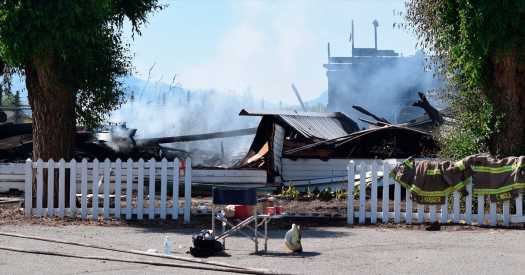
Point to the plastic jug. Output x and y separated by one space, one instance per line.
167 246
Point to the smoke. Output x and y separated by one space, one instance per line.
165 110
271 45
386 86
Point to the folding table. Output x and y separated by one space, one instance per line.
240 196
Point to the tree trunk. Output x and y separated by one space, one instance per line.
53 113
508 94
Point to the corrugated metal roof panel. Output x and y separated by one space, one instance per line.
312 125
316 127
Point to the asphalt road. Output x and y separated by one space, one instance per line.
328 250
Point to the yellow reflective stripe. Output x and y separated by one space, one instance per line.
433 172
408 163
445 192
503 189
418 191
493 170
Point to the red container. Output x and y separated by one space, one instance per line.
243 211
277 210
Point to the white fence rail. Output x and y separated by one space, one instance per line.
12 176
407 211
108 189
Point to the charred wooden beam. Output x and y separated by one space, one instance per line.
432 112
376 123
186 138
298 97
366 112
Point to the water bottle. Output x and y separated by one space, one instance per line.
167 246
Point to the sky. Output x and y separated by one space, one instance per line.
260 46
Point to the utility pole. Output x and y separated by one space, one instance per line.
376 24
352 37
329 54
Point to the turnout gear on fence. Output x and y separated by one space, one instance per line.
292 239
501 179
431 181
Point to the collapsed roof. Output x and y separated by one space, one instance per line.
388 141
293 135
279 131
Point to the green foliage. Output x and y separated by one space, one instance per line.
326 194
473 125
80 40
464 37
340 194
290 193
310 194
464 34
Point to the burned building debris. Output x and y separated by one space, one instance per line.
388 141
281 131
112 142
300 135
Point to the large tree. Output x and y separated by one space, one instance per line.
480 45
72 55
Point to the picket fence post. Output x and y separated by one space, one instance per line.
350 193
28 188
151 186
39 187
163 188
83 188
140 191
129 187
107 167
72 187
118 188
468 202
420 213
432 209
519 206
94 191
397 199
455 207
61 187
187 191
493 214
444 211
408 207
176 181
481 209
362 192
506 213
373 201
50 187
385 208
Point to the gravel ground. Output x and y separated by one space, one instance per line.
328 250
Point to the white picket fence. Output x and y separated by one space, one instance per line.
120 181
418 213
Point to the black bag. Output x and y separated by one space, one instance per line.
204 245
